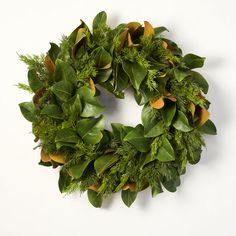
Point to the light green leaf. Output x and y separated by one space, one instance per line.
128 197
33 80
77 170
180 75
67 135
166 151
94 198
168 112
104 162
209 128
28 111
137 139
181 122
146 158
63 90
90 129
200 80
72 107
53 111
193 61
135 72
100 20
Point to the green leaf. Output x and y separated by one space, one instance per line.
63 90
104 162
100 20
53 111
121 79
72 107
137 139
135 72
33 80
128 197
91 106
102 57
209 128
193 61
118 131
90 129
77 170
180 75
67 135
168 112
200 80
64 181
65 72
54 51
94 198
171 185
181 122
156 189
152 126
28 111
103 76
166 151
146 158
160 29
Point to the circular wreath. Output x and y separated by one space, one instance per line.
67 118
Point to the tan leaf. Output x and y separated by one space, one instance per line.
158 103
58 158
106 66
92 86
78 36
94 187
130 186
148 29
49 64
173 99
133 26
44 156
164 44
130 43
203 116
192 108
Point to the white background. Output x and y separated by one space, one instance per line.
30 202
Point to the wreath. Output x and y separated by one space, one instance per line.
67 119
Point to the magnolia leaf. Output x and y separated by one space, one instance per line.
135 72
168 112
148 29
155 131
67 135
53 111
102 58
104 162
208 128
76 171
91 106
118 131
100 20
128 197
146 158
203 116
133 26
54 51
103 76
193 61
158 103
49 64
59 158
28 111
121 79
156 189
90 129
171 185
63 90
180 75
194 156
72 107
200 80
137 139
166 151
160 29
94 198
64 181
181 122
34 83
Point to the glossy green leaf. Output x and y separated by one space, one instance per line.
128 197
100 20
193 61
33 80
121 79
67 135
91 106
94 198
90 129
104 162
54 51
160 29
63 90
137 139
28 111
146 158
200 80
135 72
208 128
180 75
171 185
73 106
103 75
64 181
118 131
77 170
168 112
181 122
166 151
156 189
53 111
102 57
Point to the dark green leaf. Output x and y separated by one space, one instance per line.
128 197
166 151
33 80
168 112
94 198
171 185
104 162
53 111
77 170
102 57
193 61
200 80
160 29
180 75
28 111
67 135
54 51
100 20
208 128
63 90
135 72
181 122
64 181
103 76
121 79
